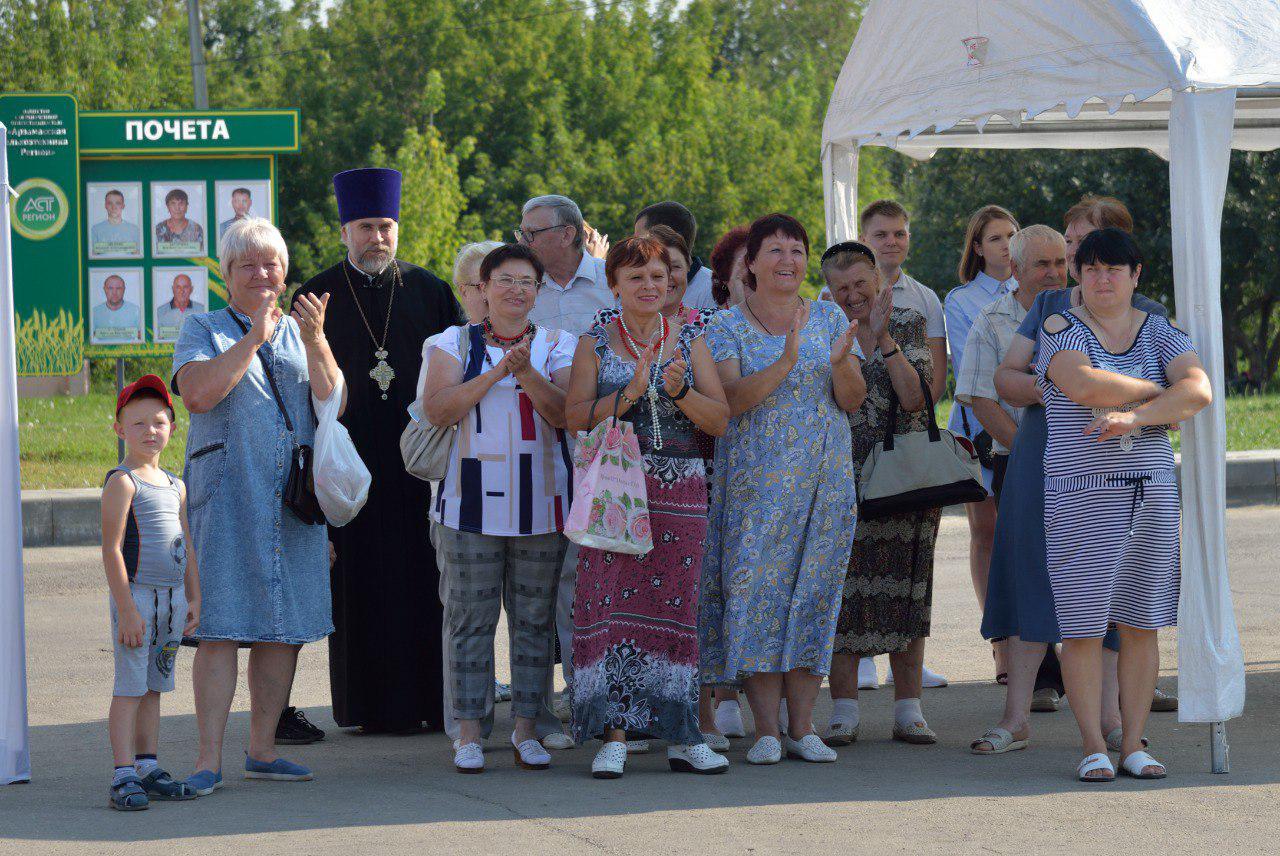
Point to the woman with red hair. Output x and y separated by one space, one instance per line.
635 618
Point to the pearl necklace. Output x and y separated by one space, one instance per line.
633 345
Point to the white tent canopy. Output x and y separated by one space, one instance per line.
1188 79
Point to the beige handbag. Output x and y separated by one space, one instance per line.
918 471
424 447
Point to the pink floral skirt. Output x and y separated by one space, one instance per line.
635 620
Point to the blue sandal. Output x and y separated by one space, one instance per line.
128 795
161 786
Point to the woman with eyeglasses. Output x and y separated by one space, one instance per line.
497 514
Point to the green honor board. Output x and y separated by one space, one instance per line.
118 242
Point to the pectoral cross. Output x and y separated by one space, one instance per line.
382 373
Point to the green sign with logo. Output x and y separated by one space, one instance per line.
118 217
44 170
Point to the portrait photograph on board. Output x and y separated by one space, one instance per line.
115 306
114 219
177 293
238 200
178 219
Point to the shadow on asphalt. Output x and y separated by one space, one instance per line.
385 780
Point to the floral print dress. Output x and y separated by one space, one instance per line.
888 592
635 637
783 510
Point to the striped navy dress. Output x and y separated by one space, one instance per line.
1111 509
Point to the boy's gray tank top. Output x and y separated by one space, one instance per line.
155 553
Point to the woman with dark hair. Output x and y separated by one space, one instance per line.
986 274
1113 378
729 268
783 506
496 516
1019 603
635 638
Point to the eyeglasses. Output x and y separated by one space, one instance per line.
514 281
526 236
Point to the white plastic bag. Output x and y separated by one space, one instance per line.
341 478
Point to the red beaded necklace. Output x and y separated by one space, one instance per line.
506 340
632 344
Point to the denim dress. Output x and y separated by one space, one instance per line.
264 574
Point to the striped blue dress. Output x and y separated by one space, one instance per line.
1111 509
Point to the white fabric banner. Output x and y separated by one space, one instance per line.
1210 663
15 757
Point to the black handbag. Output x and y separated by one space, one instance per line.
982 443
299 486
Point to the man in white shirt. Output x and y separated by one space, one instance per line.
574 288
885 227
675 216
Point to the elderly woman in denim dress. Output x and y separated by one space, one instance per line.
268 572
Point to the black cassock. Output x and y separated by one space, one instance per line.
384 655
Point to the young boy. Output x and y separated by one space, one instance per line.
155 591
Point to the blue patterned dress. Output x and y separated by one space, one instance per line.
783 510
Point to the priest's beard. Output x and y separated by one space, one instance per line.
374 262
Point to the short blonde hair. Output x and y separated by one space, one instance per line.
248 236
469 257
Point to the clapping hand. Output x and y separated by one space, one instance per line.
308 311
517 359
843 347
791 347
880 309
596 244
266 317
673 376
644 368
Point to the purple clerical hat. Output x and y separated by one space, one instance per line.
370 192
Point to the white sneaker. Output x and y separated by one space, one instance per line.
868 677
468 757
530 755
766 751
729 719
929 679
810 748
637 747
717 742
563 707
696 759
558 740
842 732
610 760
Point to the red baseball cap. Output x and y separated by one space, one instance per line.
146 382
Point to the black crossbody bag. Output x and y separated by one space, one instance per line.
299 486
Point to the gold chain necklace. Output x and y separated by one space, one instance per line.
382 372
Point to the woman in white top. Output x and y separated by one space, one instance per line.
497 515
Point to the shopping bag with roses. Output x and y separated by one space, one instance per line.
610 509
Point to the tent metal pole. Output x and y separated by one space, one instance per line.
1220 750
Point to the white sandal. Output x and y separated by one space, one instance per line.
610 761
1136 762
1096 761
1001 740
530 754
468 757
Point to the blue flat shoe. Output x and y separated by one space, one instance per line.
278 770
128 795
204 782
159 785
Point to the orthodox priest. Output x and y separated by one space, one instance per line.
384 654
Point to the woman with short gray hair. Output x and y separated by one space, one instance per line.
247 373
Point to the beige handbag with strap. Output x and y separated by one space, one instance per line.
424 447
918 471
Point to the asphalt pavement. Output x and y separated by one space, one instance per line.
375 794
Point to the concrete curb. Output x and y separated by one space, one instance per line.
71 517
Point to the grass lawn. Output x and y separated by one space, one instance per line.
68 442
